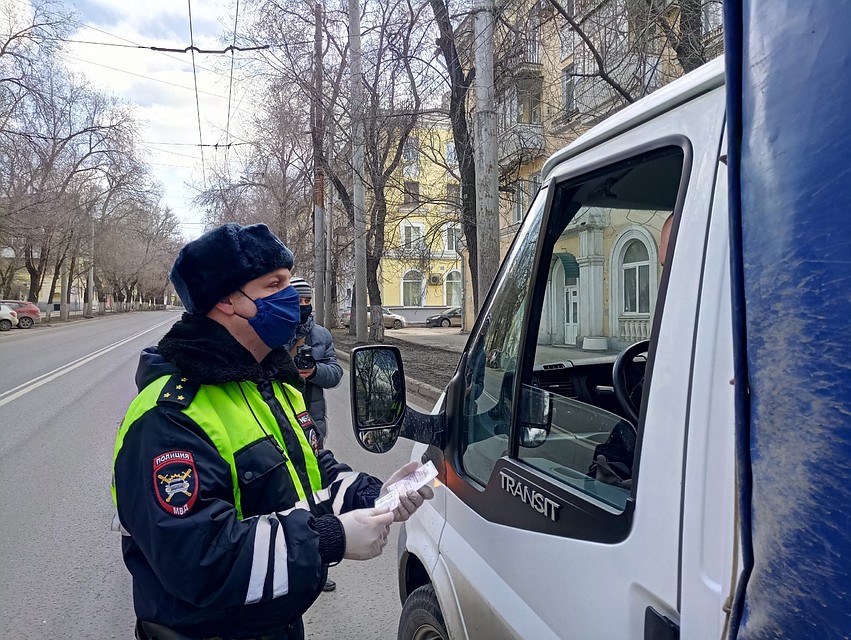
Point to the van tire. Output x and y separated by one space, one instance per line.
421 618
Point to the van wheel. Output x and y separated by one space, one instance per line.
421 617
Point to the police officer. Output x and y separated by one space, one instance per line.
230 519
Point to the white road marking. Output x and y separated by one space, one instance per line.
13 394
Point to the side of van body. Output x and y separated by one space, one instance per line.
524 518
649 438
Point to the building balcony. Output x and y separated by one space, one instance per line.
521 142
632 329
525 60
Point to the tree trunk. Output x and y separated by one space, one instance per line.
460 86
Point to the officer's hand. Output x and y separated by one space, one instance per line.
411 501
366 532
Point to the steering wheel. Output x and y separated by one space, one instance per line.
628 379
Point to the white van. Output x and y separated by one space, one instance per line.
623 452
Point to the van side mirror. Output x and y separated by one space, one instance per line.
535 417
377 396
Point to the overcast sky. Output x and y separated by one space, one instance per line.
161 86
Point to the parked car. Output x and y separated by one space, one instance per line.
28 313
449 318
391 320
8 318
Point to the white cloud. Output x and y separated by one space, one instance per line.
161 86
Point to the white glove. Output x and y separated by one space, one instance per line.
366 532
409 503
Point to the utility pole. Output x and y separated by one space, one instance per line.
318 171
359 309
63 299
329 271
487 178
90 284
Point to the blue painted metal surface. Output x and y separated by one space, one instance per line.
790 168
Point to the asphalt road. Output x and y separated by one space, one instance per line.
63 392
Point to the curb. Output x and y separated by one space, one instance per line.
422 389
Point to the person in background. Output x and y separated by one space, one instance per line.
321 370
229 518
325 372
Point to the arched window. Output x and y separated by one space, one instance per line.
636 278
452 288
633 283
412 288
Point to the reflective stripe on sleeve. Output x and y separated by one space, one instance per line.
260 562
281 579
301 504
341 485
322 495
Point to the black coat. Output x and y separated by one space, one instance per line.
203 570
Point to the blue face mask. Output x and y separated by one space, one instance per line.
277 317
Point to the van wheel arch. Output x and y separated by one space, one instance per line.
413 577
421 617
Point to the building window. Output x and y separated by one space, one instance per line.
453 238
636 278
412 193
507 110
713 16
534 183
413 235
411 150
412 289
533 37
568 89
452 288
519 208
451 156
453 196
529 103
566 40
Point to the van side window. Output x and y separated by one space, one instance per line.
492 359
602 265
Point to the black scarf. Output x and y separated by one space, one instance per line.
207 353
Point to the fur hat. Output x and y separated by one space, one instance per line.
223 260
303 287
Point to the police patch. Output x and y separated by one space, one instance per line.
175 482
310 431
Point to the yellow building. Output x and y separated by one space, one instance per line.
421 271
605 273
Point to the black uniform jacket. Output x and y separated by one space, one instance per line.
197 567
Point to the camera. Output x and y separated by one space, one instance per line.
304 359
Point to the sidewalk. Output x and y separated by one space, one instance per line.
450 339
429 356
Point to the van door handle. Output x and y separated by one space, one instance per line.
659 627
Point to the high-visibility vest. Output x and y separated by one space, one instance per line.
224 411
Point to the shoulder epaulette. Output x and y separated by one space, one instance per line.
178 391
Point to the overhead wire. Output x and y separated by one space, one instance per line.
140 75
136 44
230 86
229 49
197 102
